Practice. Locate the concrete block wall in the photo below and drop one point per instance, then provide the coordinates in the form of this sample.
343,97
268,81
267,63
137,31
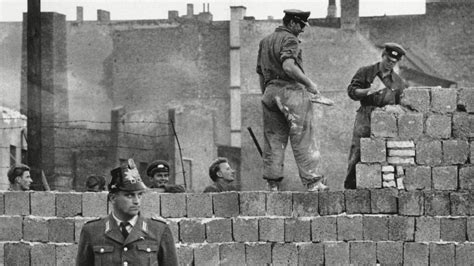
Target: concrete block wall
363,226
428,146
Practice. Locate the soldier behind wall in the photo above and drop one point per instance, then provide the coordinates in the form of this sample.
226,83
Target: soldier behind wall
95,183
19,177
159,173
222,176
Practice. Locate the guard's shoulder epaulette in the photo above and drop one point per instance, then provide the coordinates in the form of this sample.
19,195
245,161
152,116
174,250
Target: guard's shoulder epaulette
159,219
93,220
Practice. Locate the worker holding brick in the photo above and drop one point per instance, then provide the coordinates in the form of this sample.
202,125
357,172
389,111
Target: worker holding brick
374,86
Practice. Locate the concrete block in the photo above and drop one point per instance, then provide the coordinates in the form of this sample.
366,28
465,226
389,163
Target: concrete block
383,124
297,230
470,229
455,151
284,254
463,125
417,178
252,203
453,229
388,177
323,229
383,200
445,177
192,231
199,205
410,125
61,230
438,126
464,254
17,203
2,204
400,144
43,203
362,253
416,253
471,153
388,169
305,204
336,253
349,228
459,203
66,254
280,203
401,153
43,254
368,176
68,204
232,254
466,99
443,100
437,203
94,204
417,99
17,253
258,254
389,184
372,150
401,228
226,204
207,254
466,177
173,205
311,254
150,205
245,229
411,203
389,253
2,253
357,201
375,228
428,152
11,228
35,229
271,229
442,254
219,230
427,229
185,255
400,160
331,203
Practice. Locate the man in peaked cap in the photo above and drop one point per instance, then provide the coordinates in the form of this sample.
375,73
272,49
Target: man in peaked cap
159,172
288,97
374,86
125,237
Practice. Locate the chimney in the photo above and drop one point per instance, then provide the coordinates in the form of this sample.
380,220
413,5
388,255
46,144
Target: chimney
332,9
190,11
173,14
208,8
350,15
103,15
79,14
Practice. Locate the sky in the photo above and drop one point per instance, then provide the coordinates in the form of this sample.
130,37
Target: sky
11,10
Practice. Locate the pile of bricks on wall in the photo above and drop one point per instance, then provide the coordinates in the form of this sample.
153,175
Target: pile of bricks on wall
362,226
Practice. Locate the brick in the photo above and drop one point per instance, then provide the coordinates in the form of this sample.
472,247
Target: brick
463,125
417,99
199,205
331,203
372,150
389,253
357,201
470,229
323,229
226,204
400,144
207,254
464,254
428,152
441,254
363,253
94,204
305,204
375,228
383,124
35,229
400,160
389,184
173,205
219,230
150,205
2,253
2,204
388,177
192,231
455,151
445,177
43,204
297,230
232,254
427,229
252,203
279,203
258,254
284,254
416,253
66,254
17,203
437,203
10,228
411,203
68,204
410,125
383,200
78,224
311,254
466,177
61,230
368,176
185,255
466,99
438,126
453,229
349,228
245,229
271,229
43,254
459,203
417,178
443,100
401,228
336,253
17,253
388,169
401,153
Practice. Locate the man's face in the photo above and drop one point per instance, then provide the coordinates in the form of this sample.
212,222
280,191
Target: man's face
126,204
160,179
24,180
388,63
296,27
226,172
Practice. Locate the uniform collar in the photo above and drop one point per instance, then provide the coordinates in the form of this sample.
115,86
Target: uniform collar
132,221
284,28
139,232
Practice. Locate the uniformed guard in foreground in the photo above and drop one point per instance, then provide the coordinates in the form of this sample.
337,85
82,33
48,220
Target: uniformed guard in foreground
125,237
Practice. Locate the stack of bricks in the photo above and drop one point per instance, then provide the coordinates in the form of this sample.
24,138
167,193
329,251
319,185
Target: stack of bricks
363,226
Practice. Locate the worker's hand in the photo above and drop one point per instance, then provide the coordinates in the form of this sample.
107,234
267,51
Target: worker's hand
318,98
376,87
374,90
312,88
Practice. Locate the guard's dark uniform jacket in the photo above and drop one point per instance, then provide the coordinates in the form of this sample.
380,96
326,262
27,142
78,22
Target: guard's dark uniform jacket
149,243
